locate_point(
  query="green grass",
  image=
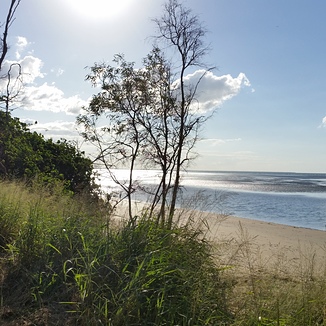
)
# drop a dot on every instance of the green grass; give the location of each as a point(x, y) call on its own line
point(63, 261)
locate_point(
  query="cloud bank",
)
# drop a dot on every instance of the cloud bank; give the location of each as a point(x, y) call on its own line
point(40, 94)
point(214, 90)
point(34, 95)
point(56, 129)
point(50, 98)
point(218, 141)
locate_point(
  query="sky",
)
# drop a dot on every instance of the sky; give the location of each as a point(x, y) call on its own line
point(268, 91)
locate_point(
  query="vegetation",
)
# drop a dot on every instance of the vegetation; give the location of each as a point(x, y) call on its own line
point(67, 259)
point(149, 116)
point(27, 155)
point(63, 260)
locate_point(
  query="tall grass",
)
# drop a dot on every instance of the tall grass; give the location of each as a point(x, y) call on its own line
point(63, 263)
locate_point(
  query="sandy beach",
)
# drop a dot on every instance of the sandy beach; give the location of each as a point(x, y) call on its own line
point(267, 244)
point(268, 234)
point(264, 244)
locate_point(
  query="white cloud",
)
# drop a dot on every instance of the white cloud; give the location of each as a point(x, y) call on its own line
point(30, 68)
point(30, 65)
point(214, 90)
point(34, 96)
point(50, 98)
point(56, 129)
point(324, 122)
point(21, 45)
point(58, 72)
point(217, 141)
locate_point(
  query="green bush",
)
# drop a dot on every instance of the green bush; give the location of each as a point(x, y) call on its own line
point(28, 155)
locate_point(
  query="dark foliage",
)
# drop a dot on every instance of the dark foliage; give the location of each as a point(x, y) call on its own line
point(28, 155)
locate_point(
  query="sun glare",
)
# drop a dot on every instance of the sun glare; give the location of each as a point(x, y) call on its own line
point(99, 9)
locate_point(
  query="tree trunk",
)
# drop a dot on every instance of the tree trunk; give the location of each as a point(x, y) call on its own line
point(180, 147)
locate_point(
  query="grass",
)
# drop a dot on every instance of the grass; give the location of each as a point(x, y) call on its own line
point(63, 261)
point(275, 289)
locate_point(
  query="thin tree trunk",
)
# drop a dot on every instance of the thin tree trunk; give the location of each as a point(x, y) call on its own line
point(180, 147)
point(10, 16)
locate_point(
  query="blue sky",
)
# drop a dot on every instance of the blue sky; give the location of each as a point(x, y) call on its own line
point(269, 90)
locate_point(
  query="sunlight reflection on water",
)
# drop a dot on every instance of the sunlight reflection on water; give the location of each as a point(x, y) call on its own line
point(297, 199)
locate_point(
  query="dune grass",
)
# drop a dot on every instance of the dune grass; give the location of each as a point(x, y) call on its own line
point(64, 261)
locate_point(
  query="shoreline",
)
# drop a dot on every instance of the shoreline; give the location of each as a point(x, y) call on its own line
point(224, 225)
point(271, 244)
point(264, 229)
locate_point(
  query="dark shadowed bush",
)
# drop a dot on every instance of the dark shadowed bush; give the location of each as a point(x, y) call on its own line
point(28, 155)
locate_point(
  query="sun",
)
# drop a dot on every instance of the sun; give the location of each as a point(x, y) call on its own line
point(99, 9)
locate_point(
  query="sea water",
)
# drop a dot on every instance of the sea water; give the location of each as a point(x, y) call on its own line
point(296, 199)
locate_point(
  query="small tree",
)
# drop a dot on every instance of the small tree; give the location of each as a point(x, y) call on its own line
point(160, 123)
point(163, 127)
point(150, 114)
point(139, 111)
point(13, 87)
point(118, 140)
point(183, 32)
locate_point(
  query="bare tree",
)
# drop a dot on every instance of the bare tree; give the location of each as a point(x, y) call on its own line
point(182, 31)
point(6, 25)
point(14, 84)
point(13, 76)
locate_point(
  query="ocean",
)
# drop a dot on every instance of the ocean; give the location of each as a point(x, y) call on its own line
point(296, 199)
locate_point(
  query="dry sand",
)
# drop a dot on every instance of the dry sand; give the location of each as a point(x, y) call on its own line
point(268, 234)
point(267, 244)
point(264, 244)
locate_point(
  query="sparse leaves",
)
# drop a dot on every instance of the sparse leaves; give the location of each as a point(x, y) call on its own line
point(144, 116)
